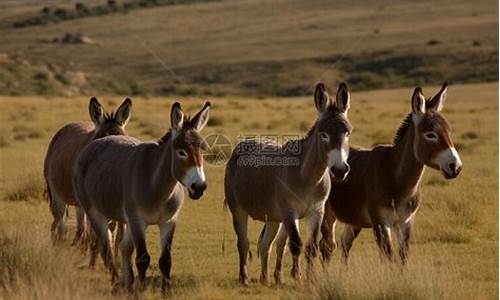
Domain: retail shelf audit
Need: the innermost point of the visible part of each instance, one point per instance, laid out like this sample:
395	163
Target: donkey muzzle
453	170
340	174
196	190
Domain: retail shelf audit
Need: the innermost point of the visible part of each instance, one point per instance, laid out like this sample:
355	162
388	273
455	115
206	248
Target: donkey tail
47	195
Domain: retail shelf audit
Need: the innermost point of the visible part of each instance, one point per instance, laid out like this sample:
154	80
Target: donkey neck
313	161
163	181
409	170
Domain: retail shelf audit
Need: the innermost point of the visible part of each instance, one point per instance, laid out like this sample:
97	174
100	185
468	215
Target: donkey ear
176	117
123	113
418	102
343	100
95	111
321	98
201	118
436	103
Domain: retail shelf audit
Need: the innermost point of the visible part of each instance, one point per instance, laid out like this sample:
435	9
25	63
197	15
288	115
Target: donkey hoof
277	278
264	280
244	281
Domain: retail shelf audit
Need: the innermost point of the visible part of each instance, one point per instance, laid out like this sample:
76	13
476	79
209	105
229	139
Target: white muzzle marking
447	157
194	175
338	158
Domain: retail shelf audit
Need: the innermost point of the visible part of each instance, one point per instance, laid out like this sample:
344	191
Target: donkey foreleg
349	234
404	233
142	259
291	224
166	236
314	220
383	236
280	243
327	244
265	243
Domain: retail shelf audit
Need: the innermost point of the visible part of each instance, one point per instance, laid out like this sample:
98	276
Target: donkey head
433	145
333	128
187	149
109	124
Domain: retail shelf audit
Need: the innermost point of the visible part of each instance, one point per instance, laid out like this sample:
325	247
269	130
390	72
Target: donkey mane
403	128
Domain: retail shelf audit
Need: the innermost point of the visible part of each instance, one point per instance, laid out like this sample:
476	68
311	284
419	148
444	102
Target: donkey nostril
453	166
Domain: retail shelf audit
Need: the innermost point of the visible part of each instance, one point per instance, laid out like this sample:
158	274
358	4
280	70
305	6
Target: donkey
382	191
62	154
140	183
295	186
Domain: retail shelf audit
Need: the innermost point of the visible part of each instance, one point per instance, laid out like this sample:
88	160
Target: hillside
249	47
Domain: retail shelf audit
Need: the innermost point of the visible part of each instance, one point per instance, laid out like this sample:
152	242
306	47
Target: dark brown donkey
294	185
62	154
382	190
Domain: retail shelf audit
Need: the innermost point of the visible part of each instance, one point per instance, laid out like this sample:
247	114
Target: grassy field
454	250
250	47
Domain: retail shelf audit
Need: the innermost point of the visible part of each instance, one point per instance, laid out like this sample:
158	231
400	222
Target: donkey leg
291	223
240	224
127	248
349	234
142	259
280	241
166	236
404	233
58	210
327	244
100	226
120	229
80	226
265	243
384	240
314	220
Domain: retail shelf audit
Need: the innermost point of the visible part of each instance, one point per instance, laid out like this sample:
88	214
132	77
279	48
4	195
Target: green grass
454	250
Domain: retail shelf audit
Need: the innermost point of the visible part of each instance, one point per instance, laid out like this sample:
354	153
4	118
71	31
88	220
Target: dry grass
454	249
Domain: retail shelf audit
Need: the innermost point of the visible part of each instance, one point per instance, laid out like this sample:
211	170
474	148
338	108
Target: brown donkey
293	186
62	154
140	183
382	191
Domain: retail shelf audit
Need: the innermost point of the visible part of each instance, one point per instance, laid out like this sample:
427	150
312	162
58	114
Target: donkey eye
347	134
182	153
324	136
432	136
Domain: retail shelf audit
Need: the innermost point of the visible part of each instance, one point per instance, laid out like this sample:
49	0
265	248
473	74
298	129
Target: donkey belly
350	206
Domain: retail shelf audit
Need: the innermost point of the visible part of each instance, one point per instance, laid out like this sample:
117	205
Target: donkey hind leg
119	232
280	242
314	220
349	234
265	243
101	231
166	236
58	209
127	249
383	238
80	234
404	233
240	224
291	224
327	244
